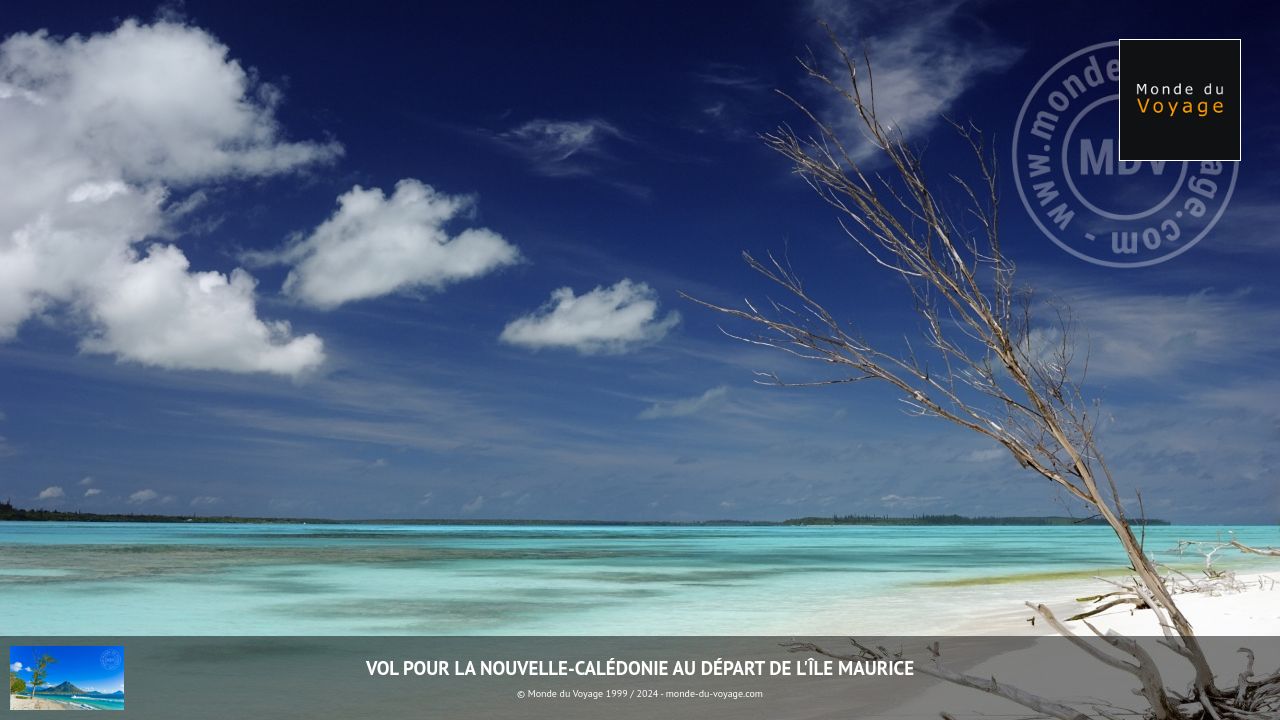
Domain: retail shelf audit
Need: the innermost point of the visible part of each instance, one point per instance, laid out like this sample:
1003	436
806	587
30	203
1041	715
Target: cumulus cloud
375	245
53	492
925	54
100	133
159	313
143	496
15	667
91	492
605	320
87	480
204	501
684	406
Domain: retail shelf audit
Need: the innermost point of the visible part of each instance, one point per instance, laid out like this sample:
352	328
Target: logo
1080	194
1180	100
110	659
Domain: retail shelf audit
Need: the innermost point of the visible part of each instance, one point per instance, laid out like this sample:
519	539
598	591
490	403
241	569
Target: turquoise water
96	703
192	579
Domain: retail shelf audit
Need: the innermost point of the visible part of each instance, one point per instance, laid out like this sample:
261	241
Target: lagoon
361	579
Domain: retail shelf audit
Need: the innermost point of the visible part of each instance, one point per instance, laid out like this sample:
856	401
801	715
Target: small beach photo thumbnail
66	677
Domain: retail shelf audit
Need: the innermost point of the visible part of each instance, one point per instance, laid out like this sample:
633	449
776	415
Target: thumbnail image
66	677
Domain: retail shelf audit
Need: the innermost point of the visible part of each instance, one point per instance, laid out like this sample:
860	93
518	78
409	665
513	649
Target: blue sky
424	261
81	665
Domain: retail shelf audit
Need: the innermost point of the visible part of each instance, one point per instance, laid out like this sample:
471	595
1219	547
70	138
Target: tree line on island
957	520
9	512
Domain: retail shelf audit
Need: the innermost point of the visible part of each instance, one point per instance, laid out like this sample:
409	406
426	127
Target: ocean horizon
83	702
409	579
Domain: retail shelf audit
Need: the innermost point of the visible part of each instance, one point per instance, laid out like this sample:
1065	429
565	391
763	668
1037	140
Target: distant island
9	512
63	688
67	688
958	520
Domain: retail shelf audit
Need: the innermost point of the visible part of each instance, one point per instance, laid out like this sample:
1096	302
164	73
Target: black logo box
1186	69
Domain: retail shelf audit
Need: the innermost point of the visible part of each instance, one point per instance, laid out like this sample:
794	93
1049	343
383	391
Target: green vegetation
16	684
40	672
9	512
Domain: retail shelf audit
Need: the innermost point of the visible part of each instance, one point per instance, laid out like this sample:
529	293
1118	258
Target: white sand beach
1225	622
1252	612
22	702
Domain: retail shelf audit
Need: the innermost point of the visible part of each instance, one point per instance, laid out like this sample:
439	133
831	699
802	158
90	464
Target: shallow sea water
223	579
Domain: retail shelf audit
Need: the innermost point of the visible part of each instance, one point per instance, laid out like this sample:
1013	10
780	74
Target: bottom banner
592	677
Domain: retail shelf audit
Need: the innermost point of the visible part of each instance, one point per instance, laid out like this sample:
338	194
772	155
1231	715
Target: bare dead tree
981	362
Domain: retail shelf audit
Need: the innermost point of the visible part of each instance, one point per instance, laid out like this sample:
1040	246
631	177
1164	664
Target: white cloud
205	500
15	667
923	59
143	496
1146	335
91	492
562	148
375	245
730	75
474	505
160	314
53	492
604	320
98	132
985	455
87	480
160	102
908	501
684	406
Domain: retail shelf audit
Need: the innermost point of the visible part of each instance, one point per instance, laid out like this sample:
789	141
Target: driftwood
1217	581
1273	552
1124	596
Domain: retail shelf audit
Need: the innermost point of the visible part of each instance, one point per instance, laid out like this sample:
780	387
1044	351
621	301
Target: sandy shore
23	702
1052	668
1253	612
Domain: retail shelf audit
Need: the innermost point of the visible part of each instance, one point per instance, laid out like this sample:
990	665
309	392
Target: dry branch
1272	552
